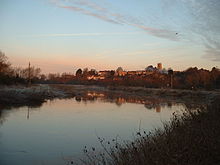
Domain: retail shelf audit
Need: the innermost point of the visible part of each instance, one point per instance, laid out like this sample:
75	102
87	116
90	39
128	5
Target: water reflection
67	125
2	116
150	103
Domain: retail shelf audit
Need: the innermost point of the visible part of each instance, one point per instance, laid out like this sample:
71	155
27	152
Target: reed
192	138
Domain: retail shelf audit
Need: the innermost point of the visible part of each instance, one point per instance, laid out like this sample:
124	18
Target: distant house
106	73
123	73
139	72
95	77
131	73
101	75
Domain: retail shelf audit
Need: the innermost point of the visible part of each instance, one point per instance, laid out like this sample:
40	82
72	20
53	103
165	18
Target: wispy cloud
212	48
80	34
87	12
212	53
204	23
161	33
96	10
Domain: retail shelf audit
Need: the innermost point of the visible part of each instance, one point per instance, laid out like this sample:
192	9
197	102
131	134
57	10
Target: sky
64	35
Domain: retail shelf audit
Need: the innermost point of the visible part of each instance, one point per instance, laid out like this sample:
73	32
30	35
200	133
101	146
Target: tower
159	66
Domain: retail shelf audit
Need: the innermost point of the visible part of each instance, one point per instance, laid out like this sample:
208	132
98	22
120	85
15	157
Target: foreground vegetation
192	138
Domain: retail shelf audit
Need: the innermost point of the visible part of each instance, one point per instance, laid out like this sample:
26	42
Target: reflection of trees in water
150	103
158	109
119	101
89	96
2	117
6	110
169	104
195	107
157	105
78	98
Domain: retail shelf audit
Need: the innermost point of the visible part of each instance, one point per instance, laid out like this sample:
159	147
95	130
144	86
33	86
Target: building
106	73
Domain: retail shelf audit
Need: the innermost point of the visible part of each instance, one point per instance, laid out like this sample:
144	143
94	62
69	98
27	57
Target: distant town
121	73
150	77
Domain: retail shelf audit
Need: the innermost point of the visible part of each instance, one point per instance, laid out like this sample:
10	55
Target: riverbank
191	139
188	139
37	94
21	95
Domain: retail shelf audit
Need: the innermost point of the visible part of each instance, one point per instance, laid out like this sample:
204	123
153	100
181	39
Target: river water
58	130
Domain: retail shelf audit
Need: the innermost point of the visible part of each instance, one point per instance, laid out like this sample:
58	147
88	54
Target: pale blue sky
63	35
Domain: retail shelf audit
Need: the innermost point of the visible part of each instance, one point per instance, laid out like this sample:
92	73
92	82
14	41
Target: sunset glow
64	35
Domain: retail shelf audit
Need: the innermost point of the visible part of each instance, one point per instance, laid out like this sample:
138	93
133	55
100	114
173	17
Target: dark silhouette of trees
85	72
170	73
215	78
4	64
6	72
112	73
119	69
34	73
92	72
79	73
192	78
150	68
10	75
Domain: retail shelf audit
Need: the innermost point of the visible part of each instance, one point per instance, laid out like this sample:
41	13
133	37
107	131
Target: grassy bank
171	93
141	91
21	95
190	139
37	94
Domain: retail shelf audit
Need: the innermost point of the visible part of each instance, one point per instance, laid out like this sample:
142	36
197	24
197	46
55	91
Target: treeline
195	78
192	78
10	75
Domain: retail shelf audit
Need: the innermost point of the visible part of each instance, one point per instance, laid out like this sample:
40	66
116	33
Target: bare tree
4	64
34	72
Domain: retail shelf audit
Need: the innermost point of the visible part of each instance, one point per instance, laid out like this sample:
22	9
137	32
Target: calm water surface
59	129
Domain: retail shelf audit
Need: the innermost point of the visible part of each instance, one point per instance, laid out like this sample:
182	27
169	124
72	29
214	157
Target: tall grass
190	139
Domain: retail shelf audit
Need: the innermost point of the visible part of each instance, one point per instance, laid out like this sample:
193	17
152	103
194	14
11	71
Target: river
58	130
